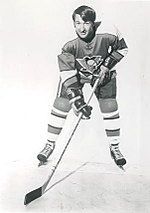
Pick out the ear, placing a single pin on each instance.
(74, 24)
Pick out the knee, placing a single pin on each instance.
(62, 104)
(108, 105)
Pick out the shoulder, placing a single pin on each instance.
(70, 45)
(108, 28)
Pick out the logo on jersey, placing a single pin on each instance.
(89, 65)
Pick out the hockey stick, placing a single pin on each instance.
(29, 197)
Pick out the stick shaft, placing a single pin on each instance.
(77, 123)
(29, 197)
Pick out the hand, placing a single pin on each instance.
(77, 102)
(103, 75)
(80, 106)
(103, 72)
(104, 69)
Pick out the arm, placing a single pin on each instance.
(66, 62)
(71, 82)
(118, 49)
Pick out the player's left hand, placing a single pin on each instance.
(104, 71)
(103, 75)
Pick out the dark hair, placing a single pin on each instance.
(86, 13)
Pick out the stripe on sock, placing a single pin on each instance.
(53, 129)
(112, 124)
(50, 141)
(112, 133)
(111, 114)
(59, 112)
(52, 136)
(114, 141)
(56, 121)
(113, 117)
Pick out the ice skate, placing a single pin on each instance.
(46, 152)
(117, 156)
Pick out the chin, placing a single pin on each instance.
(82, 36)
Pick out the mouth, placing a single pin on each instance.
(83, 33)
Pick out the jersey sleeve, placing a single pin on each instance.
(66, 62)
(118, 46)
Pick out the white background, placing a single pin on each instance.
(32, 33)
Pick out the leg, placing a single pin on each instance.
(109, 108)
(57, 118)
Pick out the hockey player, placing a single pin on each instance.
(97, 48)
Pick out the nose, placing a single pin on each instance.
(82, 28)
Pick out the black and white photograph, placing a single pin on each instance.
(74, 106)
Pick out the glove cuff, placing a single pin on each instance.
(110, 62)
(74, 94)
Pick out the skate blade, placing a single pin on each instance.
(121, 167)
(41, 163)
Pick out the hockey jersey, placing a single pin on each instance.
(79, 59)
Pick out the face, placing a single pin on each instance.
(83, 29)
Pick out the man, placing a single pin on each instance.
(97, 49)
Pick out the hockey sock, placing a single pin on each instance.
(56, 122)
(112, 126)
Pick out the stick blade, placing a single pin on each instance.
(29, 197)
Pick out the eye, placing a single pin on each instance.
(87, 22)
(77, 22)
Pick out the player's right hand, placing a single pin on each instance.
(77, 102)
(80, 106)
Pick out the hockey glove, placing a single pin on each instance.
(78, 104)
(105, 76)
(106, 72)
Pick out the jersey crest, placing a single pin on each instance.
(89, 64)
(88, 67)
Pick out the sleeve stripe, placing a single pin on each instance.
(123, 52)
(117, 55)
(71, 81)
(67, 74)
